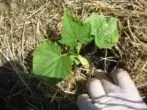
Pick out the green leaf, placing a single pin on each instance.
(83, 61)
(74, 31)
(74, 59)
(78, 59)
(49, 63)
(104, 29)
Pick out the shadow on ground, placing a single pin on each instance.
(19, 92)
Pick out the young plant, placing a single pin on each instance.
(48, 60)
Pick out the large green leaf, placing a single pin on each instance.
(74, 31)
(49, 63)
(104, 29)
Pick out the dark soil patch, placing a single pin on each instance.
(15, 95)
(104, 59)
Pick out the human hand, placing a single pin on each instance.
(106, 95)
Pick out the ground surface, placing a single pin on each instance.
(24, 23)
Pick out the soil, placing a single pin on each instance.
(105, 59)
(25, 23)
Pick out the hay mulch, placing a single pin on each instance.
(25, 23)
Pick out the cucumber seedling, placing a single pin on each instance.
(50, 62)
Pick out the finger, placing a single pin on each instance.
(109, 87)
(106, 81)
(100, 74)
(83, 99)
(84, 102)
(95, 88)
(123, 79)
